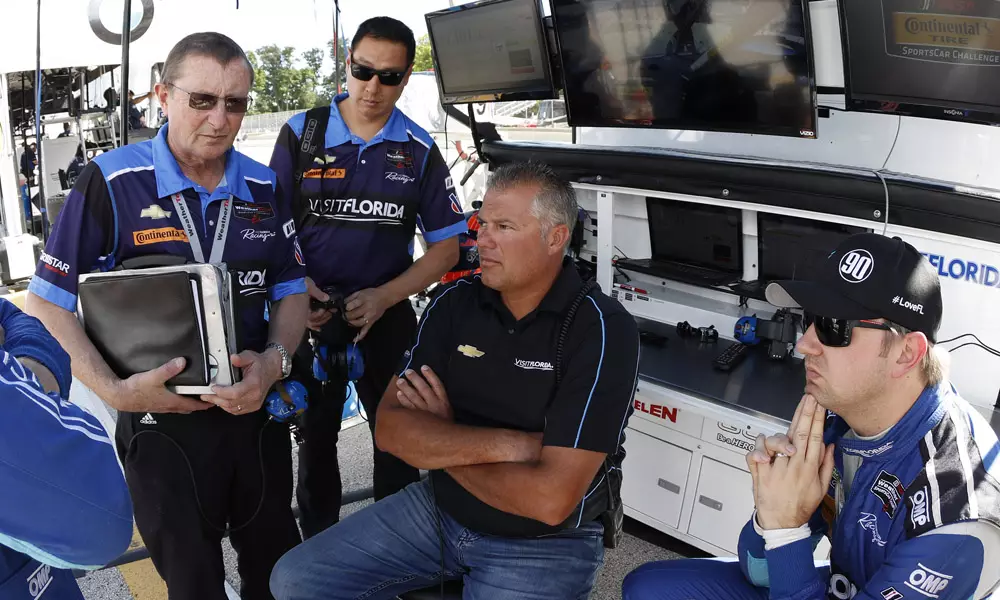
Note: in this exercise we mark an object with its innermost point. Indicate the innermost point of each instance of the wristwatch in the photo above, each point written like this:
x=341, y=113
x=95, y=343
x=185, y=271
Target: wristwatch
x=286, y=359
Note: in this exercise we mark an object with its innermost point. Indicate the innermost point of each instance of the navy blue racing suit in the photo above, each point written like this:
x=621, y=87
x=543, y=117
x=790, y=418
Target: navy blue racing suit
x=63, y=500
x=921, y=519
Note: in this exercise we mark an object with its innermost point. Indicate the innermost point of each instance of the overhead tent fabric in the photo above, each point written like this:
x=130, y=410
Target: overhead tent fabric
x=72, y=30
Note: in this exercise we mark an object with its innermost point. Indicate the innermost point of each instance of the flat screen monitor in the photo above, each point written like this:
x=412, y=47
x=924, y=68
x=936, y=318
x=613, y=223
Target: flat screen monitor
x=790, y=247
x=711, y=65
x=491, y=51
x=929, y=58
x=700, y=235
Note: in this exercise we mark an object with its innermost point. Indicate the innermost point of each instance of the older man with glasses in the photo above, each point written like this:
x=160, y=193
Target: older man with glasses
x=883, y=455
x=210, y=465
x=364, y=177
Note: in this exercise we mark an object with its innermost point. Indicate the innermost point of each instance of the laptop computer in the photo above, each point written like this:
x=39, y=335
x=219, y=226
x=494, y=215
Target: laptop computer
x=693, y=243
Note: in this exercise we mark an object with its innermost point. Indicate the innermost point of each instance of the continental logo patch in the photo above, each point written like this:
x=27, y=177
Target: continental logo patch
x=325, y=174
x=471, y=351
x=155, y=236
x=961, y=39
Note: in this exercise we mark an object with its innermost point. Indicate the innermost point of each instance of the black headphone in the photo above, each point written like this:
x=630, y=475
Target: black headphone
x=704, y=334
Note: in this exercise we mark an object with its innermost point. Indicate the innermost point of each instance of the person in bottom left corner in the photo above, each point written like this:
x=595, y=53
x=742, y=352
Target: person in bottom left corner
x=64, y=503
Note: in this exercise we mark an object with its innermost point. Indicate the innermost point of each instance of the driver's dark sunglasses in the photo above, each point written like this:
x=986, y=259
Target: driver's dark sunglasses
x=201, y=101
x=363, y=73
x=837, y=333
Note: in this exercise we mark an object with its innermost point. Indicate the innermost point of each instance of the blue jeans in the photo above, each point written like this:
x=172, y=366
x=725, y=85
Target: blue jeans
x=694, y=579
x=393, y=546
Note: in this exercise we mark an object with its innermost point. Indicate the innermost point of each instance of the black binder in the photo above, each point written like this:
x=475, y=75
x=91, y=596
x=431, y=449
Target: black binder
x=139, y=322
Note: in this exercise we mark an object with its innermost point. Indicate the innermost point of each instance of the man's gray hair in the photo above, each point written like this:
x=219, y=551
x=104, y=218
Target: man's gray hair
x=555, y=202
x=208, y=43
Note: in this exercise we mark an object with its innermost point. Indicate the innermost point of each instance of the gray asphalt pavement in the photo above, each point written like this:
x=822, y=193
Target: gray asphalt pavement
x=641, y=544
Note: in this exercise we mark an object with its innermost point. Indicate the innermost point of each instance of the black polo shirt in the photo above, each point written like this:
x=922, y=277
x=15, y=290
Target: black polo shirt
x=499, y=372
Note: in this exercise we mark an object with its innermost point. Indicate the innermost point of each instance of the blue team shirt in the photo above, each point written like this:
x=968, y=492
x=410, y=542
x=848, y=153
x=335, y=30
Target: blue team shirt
x=120, y=208
x=360, y=201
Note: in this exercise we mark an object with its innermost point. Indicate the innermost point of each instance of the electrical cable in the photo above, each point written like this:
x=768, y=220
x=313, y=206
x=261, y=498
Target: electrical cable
x=990, y=350
x=978, y=343
x=194, y=483
x=885, y=186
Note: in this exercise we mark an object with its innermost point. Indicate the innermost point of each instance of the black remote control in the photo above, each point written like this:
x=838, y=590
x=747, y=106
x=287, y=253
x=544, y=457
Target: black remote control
x=731, y=356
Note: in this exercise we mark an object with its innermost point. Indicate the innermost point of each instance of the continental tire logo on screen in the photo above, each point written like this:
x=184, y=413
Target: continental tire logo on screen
x=155, y=236
x=961, y=39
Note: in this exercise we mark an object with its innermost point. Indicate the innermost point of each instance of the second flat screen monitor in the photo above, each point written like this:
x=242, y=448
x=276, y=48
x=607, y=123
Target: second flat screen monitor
x=713, y=65
x=792, y=248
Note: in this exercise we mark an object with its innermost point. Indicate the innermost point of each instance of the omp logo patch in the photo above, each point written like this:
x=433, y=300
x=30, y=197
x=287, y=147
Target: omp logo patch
x=928, y=582
x=471, y=351
x=918, y=511
x=39, y=581
x=156, y=236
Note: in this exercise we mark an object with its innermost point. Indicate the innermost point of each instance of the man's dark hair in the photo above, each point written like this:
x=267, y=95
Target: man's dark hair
x=390, y=30
x=207, y=43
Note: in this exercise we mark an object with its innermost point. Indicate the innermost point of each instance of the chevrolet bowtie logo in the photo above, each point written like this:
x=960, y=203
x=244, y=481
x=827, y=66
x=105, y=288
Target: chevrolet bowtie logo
x=155, y=211
x=470, y=351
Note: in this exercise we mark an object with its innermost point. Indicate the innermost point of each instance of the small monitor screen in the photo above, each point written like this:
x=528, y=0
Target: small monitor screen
x=716, y=65
x=696, y=234
x=791, y=247
x=491, y=50
x=931, y=58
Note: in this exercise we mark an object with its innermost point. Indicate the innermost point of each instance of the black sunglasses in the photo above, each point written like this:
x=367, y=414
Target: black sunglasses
x=201, y=101
x=837, y=333
x=363, y=73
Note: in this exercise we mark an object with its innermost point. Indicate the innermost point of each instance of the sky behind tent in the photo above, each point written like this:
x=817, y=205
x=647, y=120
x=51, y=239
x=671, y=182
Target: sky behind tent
x=285, y=27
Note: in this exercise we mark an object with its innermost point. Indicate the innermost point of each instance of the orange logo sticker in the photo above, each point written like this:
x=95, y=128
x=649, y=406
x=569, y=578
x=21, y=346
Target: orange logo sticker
x=155, y=236
x=325, y=174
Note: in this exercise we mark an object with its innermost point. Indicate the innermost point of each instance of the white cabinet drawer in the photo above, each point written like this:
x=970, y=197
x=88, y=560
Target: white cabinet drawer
x=723, y=504
x=654, y=477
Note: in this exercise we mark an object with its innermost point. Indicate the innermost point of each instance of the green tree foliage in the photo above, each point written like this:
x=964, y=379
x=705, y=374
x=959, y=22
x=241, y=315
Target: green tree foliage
x=283, y=82
x=422, y=60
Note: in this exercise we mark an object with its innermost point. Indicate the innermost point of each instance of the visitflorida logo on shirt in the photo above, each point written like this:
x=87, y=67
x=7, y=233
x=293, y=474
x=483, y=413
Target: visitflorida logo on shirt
x=155, y=236
x=353, y=209
x=533, y=365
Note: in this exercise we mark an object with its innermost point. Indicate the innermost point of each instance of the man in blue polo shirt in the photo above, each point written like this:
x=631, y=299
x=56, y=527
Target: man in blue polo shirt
x=369, y=176
x=215, y=465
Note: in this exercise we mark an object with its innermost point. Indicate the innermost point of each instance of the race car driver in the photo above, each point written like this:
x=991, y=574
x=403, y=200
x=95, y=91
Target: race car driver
x=898, y=470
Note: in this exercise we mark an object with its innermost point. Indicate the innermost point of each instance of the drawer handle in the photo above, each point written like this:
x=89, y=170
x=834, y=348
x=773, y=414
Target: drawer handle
x=713, y=504
x=670, y=487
